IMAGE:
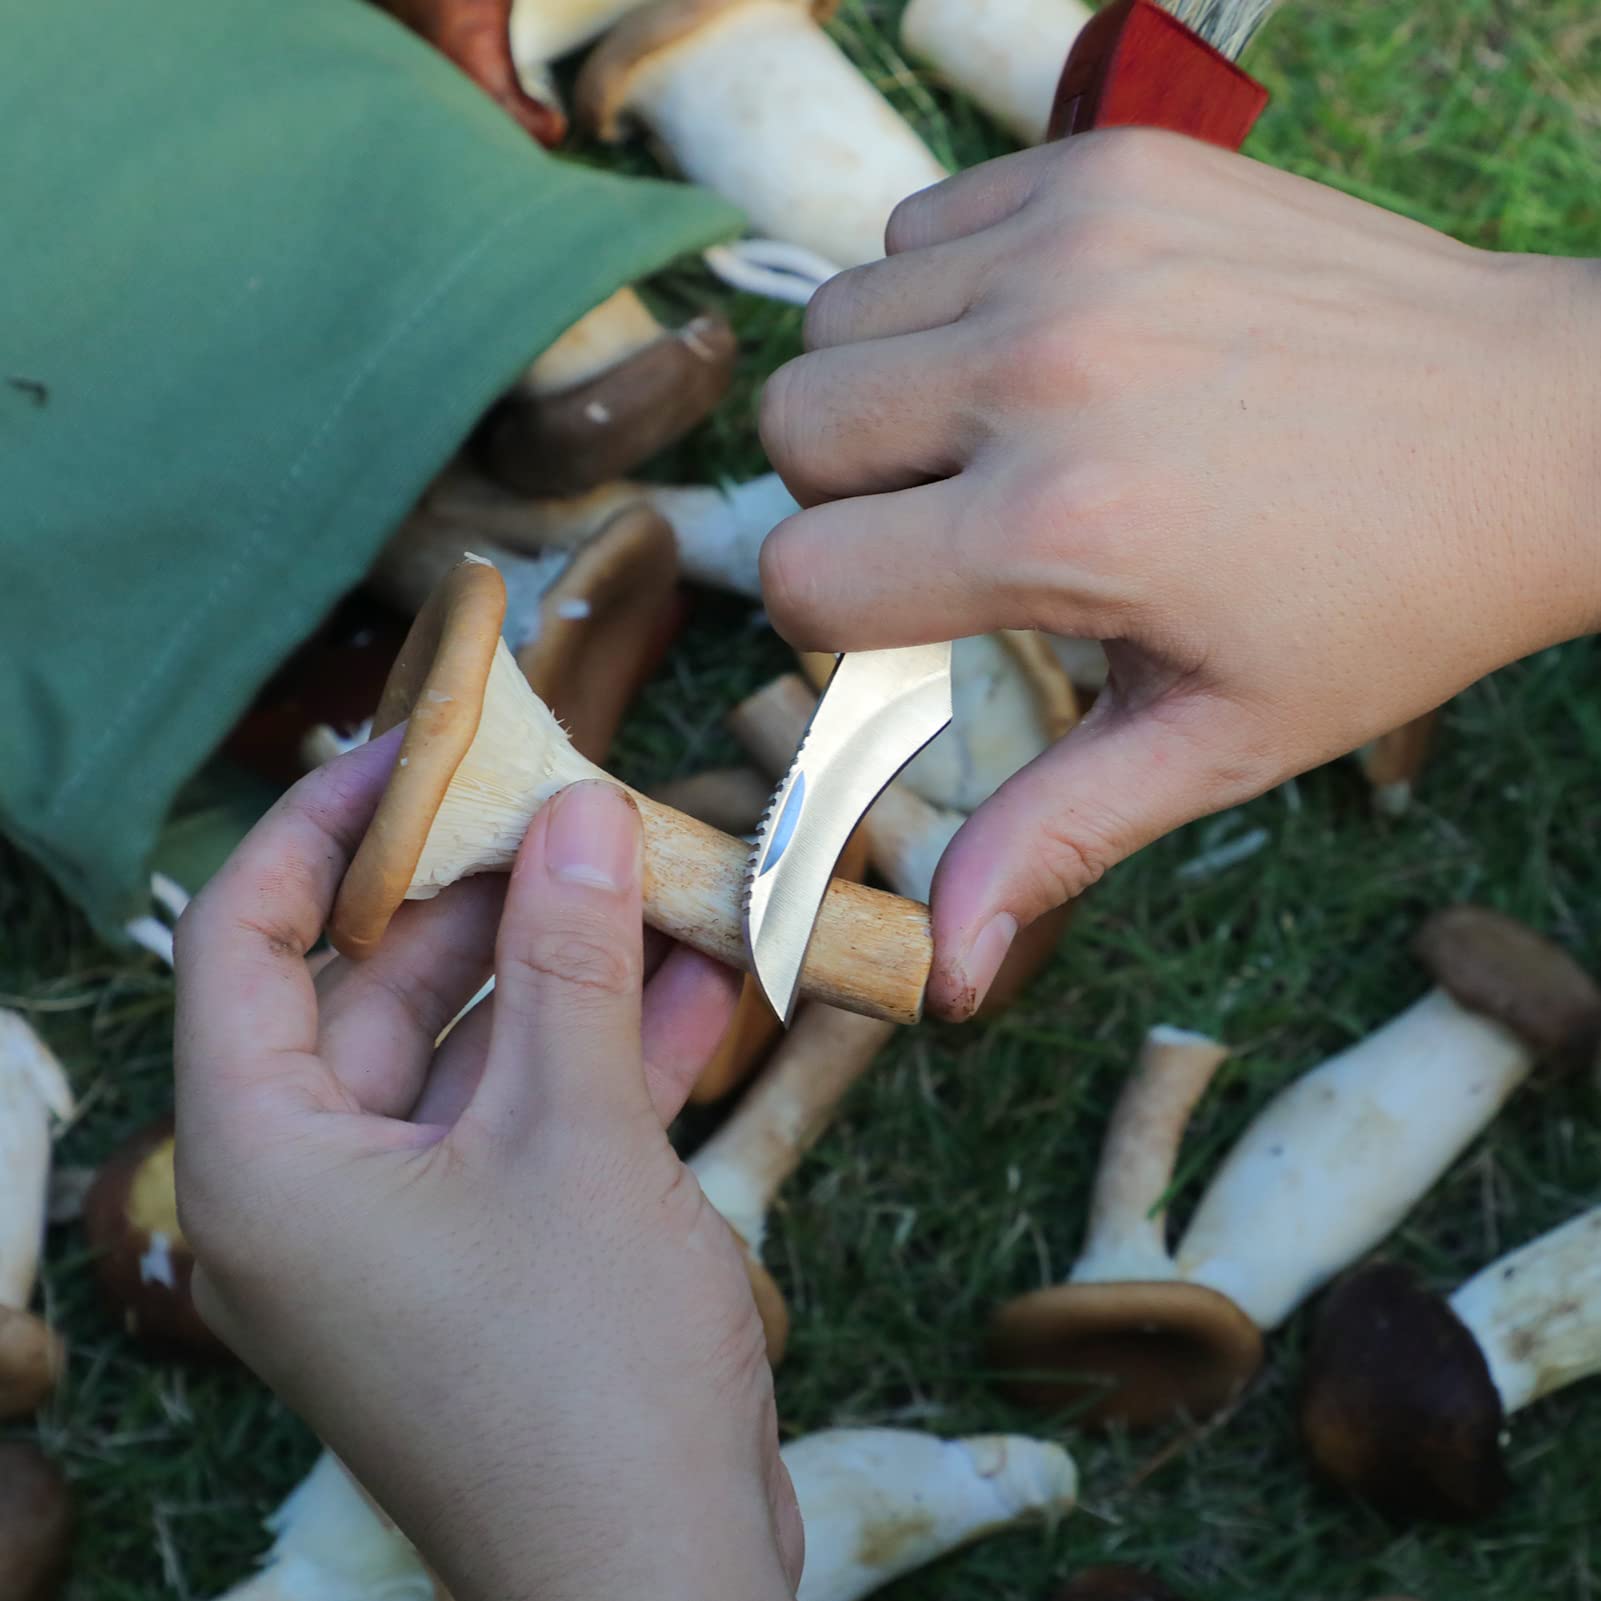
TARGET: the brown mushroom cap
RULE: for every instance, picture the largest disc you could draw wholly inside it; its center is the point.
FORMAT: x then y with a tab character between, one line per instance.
1128	1353
32	1359
143	1263
579	438
1495	965
35	1523
604	627
1398	1405
438	682
1114	1582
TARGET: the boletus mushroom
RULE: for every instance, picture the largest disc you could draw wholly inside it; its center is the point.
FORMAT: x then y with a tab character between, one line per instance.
482	753
1114	1582
752	99
35	1523
742	1167
615	389
33	1092
1005	55
1407	1392
142	1261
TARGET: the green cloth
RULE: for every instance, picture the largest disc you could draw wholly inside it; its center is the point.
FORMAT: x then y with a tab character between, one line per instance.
265	262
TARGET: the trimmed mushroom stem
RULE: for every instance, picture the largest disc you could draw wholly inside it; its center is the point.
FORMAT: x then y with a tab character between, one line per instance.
1007	54
1083	660
1536	1313
1336	1160
744	1164
757	103
619	327
1126	1238
877	1503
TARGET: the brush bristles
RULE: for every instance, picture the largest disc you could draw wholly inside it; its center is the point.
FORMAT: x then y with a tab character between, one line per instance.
1227	25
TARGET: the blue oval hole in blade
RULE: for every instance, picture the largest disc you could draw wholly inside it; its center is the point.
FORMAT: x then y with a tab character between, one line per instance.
787	819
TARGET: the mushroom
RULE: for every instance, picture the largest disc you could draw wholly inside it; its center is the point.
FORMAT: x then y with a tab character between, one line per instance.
1392	762
742	1167
731	799
142	1261
1408	1392
33	1090
1006	55
1323	1173
752	99
1113	1582
905	834
35	1523
612	391
482	754
588	626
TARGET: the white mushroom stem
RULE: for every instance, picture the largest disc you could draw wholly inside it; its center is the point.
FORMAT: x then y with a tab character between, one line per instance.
780	1117
543	31
877	1503
1331	1165
1125	1241
1536	1313
33	1090
1007	55
619	327
760	105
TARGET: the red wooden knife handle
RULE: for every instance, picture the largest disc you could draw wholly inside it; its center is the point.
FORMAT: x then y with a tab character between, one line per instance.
1136	65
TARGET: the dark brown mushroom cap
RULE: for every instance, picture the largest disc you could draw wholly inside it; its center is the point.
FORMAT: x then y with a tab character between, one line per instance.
32	1357
1398	1405
438	682
35	1523
1493	964
604	627
142	1261
1113	1582
1127	1353
579	438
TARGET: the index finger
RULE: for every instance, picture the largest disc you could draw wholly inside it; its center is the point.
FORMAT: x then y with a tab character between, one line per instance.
247	1009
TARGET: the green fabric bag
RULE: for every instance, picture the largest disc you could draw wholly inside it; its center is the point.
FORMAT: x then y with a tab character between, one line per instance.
265	262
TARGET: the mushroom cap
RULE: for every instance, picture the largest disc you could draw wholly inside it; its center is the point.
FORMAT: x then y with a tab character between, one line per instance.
771	1306
438	682
143	1263
1398	1405
1493	964
1132	1353
580	438
605	625
605	81
32	1358
35	1523
1114	1582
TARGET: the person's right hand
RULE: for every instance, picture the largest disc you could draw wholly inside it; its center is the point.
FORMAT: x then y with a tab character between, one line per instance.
1307	468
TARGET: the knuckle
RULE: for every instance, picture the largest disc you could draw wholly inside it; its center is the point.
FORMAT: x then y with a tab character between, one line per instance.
1130	160
586	959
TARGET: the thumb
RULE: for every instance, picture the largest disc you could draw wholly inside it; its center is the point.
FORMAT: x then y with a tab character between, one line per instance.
569	965
1124	777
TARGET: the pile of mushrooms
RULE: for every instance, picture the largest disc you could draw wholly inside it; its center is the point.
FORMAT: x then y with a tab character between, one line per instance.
1408	1393
482	754
1323	1173
875	1504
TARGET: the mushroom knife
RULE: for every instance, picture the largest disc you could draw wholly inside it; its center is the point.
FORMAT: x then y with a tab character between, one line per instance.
1167	65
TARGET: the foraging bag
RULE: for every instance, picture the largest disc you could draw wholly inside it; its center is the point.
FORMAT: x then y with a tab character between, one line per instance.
265	262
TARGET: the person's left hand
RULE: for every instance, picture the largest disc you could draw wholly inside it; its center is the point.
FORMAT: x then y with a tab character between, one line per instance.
480	1271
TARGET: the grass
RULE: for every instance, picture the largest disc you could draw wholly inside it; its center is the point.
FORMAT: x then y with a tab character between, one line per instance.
957	1174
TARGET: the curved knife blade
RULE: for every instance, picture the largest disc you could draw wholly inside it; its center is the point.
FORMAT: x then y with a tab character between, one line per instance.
880	708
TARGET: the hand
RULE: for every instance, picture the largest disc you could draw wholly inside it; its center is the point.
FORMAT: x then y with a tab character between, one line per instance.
1306	467
480	1272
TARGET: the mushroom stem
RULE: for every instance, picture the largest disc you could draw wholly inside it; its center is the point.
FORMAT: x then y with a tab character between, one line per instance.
543	31
1536	1313
1126	1237
1336	1160
744	1164
877	1503
1393	761
621	326
1006	55
752	99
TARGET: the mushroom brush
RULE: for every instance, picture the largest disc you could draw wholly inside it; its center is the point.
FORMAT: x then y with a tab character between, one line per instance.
482	753
752	99
1407	1393
742	1167
1323	1173
33	1092
614	390
588	625
35	1523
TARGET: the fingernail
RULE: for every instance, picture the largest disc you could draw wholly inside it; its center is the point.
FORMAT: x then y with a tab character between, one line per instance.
593	837
988	952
